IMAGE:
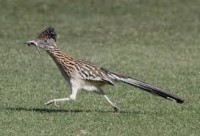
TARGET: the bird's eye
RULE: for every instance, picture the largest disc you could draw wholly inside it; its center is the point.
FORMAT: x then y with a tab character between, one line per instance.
45	41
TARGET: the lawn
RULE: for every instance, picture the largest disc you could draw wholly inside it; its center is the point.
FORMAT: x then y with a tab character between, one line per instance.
155	41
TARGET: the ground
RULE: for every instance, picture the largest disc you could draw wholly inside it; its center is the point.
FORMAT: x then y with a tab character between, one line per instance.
154	41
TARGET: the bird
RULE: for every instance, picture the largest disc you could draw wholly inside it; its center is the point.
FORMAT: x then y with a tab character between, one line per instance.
83	75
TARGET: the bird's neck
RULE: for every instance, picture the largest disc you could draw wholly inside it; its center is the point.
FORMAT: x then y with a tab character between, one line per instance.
59	57
55	52
62	61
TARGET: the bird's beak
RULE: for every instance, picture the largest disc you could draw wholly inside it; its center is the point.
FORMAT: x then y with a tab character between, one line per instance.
32	42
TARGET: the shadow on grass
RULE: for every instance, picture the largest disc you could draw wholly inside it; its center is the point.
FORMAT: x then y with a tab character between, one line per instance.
49	110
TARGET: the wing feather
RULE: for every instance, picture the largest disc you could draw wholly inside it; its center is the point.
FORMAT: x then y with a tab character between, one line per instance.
91	72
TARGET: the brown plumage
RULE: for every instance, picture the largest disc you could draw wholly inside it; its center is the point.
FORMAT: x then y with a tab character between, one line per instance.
87	76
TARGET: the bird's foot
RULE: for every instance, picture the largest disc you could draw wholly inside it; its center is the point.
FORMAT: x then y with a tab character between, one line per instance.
116	109
51	102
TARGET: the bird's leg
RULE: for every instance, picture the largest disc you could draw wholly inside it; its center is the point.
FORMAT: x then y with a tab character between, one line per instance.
116	109
54	101
72	97
101	92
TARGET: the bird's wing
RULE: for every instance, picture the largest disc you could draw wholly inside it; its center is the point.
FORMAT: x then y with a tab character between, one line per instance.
90	71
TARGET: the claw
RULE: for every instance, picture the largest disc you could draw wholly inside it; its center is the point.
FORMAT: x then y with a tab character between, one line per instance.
50	102
116	110
56	105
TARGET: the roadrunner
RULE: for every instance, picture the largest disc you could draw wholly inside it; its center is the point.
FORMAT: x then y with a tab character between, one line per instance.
83	75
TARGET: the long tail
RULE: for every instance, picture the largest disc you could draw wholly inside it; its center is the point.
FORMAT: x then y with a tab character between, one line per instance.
144	86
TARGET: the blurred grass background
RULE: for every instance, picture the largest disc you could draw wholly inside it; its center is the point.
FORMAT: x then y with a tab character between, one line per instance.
155	41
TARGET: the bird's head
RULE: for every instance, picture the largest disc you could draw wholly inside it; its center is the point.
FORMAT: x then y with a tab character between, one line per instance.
46	40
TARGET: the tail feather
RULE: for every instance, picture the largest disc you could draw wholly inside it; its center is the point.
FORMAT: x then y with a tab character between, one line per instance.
146	87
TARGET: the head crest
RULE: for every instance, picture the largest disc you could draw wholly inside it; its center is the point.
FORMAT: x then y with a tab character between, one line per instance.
48	34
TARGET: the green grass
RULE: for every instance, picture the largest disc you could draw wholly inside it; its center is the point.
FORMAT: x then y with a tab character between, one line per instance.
155	41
